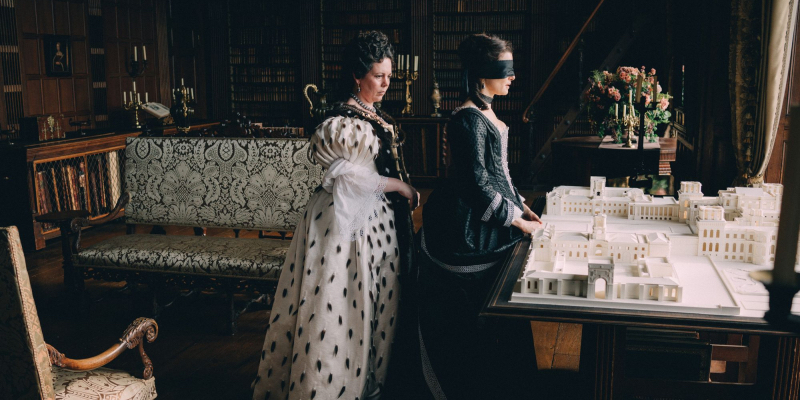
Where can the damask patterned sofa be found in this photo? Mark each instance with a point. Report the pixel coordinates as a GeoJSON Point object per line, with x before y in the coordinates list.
{"type": "Point", "coordinates": [32, 369]}
{"type": "Point", "coordinates": [243, 184]}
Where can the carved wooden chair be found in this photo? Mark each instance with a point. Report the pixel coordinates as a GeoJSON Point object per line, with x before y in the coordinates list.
{"type": "Point", "coordinates": [32, 369]}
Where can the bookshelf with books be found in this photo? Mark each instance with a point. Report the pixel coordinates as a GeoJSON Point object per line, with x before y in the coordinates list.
{"type": "Point", "coordinates": [453, 20]}
{"type": "Point", "coordinates": [265, 62]}
{"type": "Point", "coordinates": [341, 21]}
{"type": "Point", "coordinates": [72, 174]}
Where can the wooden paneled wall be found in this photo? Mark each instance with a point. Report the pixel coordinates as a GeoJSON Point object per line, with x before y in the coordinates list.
{"type": "Point", "coordinates": [68, 97]}
{"type": "Point", "coordinates": [102, 34]}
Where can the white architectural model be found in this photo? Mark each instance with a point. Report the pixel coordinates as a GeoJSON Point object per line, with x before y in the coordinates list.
{"type": "Point", "coordinates": [636, 261]}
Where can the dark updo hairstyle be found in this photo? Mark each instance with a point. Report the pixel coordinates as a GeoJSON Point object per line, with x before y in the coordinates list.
{"type": "Point", "coordinates": [477, 50]}
{"type": "Point", "coordinates": [359, 54]}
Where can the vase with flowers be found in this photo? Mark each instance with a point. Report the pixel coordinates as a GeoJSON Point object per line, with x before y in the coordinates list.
{"type": "Point", "coordinates": [610, 96]}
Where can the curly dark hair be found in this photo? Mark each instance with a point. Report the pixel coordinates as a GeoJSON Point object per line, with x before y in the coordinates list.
{"type": "Point", "coordinates": [476, 50]}
{"type": "Point", "coordinates": [360, 53]}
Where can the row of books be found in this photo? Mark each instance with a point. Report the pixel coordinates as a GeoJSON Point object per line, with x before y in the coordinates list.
{"type": "Point", "coordinates": [450, 41]}
{"type": "Point", "coordinates": [253, 51]}
{"type": "Point", "coordinates": [480, 5]}
{"type": "Point", "coordinates": [258, 36]}
{"type": "Point", "coordinates": [354, 18]}
{"type": "Point", "coordinates": [70, 185]}
{"type": "Point", "coordinates": [261, 59]}
{"type": "Point", "coordinates": [364, 5]}
{"type": "Point", "coordinates": [263, 74]}
{"type": "Point", "coordinates": [473, 23]}
{"type": "Point", "coordinates": [244, 93]}
{"type": "Point", "coordinates": [333, 35]}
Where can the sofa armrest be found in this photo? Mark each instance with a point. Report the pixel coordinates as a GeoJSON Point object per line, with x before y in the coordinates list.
{"type": "Point", "coordinates": [77, 224]}
{"type": "Point", "coordinates": [134, 335]}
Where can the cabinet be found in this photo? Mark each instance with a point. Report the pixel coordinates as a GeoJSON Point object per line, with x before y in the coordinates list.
{"type": "Point", "coordinates": [425, 149]}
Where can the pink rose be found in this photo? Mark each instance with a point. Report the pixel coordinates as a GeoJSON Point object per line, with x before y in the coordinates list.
{"type": "Point", "coordinates": [652, 71]}
{"type": "Point", "coordinates": [646, 99]}
{"type": "Point", "coordinates": [663, 103]}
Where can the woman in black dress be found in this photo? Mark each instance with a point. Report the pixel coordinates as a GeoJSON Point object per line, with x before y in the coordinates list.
{"type": "Point", "coordinates": [469, 224]}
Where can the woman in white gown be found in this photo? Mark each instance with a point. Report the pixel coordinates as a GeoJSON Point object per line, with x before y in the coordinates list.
{"type": "Point", "coordinates": [333, 321]}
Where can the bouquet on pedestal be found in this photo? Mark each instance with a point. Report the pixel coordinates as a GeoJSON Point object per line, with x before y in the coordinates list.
{"type": "Point", "coordinates": [610, 96]}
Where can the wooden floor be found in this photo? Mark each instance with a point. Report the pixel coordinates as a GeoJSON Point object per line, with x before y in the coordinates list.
{"type": "Point", "coordinates": [194, 357]}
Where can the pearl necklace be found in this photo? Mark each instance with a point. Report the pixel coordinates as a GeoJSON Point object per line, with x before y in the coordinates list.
{"type": "Point", "coordinates": [364, 106]}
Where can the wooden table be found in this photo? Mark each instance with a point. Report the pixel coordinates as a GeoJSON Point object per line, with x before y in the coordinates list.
{"type": "Point", "coordinates": [575, 159]}
{"type": "Point", "coordinates": [602, 351]}
{"type": "Point", "coordinates": [63, 219]}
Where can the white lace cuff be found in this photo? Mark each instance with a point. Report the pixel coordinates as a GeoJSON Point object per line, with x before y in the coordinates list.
{"type": "Point", "coordinates": [356, 191]}
{"type": "Point", "coordinates": [513, 213]}
{"type": "Point", "coordinates": [492, 207]}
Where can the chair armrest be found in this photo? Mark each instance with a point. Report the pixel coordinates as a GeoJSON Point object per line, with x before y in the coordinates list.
{"type": "Point", "coordinates": [77, 224]}
{"type": "Point", "coordinates": [141, 328]}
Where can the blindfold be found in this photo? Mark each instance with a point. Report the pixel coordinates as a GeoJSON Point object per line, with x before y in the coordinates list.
{"type": "Point", "coordinates": [494, 70]}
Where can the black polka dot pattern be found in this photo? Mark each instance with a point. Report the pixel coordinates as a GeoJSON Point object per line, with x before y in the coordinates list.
{"type": "Point", "coordinates": [336, 338]}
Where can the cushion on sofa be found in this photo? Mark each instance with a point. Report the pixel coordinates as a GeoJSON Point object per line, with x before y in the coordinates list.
{"type": "Point", "coordinates": [191, 255]}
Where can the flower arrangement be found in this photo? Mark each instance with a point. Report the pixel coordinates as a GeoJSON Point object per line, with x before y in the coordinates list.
{"type": "Point", "coordinates": [609, 92]}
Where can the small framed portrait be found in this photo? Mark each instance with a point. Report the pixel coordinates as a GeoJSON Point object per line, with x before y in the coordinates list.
{"type": "Point", "coordinates": [58, 55]}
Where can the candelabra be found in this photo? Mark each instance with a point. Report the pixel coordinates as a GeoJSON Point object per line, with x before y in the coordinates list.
{"type": "Point", "coordinates": [134, 105]}
{"type": "Point", "coordinates": [134, 67]}
{"type": "Point", "coordinates": [629, 121]}
{"type": "Point", "coordinates": [180, 110]}
{"type": "Point", "coordinates": [410, 77]}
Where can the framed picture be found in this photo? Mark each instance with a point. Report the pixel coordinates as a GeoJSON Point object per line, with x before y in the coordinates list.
{"type": "Point", "coordinates": [58, 55]}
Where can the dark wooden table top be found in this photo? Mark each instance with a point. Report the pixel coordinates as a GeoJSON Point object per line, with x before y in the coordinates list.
{"type": "Point", "coordinates": [497, 304]}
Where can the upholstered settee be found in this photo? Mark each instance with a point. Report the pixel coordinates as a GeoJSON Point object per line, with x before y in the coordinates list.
{"type": "Point", "coordinates": [258, 184]}
{"type": "Point", "coordinates": [32, 369]}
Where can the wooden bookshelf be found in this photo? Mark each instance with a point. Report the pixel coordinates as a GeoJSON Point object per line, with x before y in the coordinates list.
{"type": "Point", "coordinates": [265, 62]}
{"type": "Point", "coordinates": [453, 20]}
{"type": "Point", "coordinates": [343, 20]}
{"type": "Point", "coordinates": [70, 174]}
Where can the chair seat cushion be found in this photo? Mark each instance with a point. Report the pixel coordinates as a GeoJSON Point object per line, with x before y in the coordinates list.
{"type": "Point", "coordinates": [191, 255]}
{"type": "Point", "coordinates": [101, 384]}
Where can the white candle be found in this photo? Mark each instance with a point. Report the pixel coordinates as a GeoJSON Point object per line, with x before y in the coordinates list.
{"type": "Point", "coordinates": [135, 54]}
{"type": "Point", "coordinates": [786, 247]}
{"type": "Point", "coordinates": [630, 96]}
{"type": "Point", "coordinates": [144, 52]}
{"type": "Point", "coordinates": [408, 61]}
{"type": "Point", "coordinates": [146, 98]}
{"type": "Point", "coordinates": [191, 93]}
{"type": "Point", "coordinates": [138, 98]}
{"type": "Point", "coordinates": [124, 97]}
{"type": "Point", "coordinates": [181, 81]}
{"type": "Point", "coordinates": [616, 110]}
{"type": "Point", "coordinates": [624, 111]}
{"type": "Point", "coordinates": [134, 86]}
{"type": "Point", "coordinates": [416, 63]}
{"type": "Point", "coordinates": [400, 61]}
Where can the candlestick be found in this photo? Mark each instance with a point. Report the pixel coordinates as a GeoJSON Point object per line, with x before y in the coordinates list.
{"type": "Point", "coordinates": [416, 63]}
{"type": "Point", "coordinates": [409, 77]}
{"type": "Point", "coordinates": [135, 54]}
{"type": "Point", "coordinates": [639, 87]}
{"type": "Point", "coordinates": [144, 52]}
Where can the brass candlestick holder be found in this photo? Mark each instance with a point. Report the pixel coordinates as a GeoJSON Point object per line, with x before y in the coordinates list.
{"type": "Point", "coordinates": [180, 110]}
{"type": "Point", "coordinates": [135, 104]}
{"type": "Point", "coordinates": [410, 77]}
{"type": "Point", "coordinates": [629, 121]}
